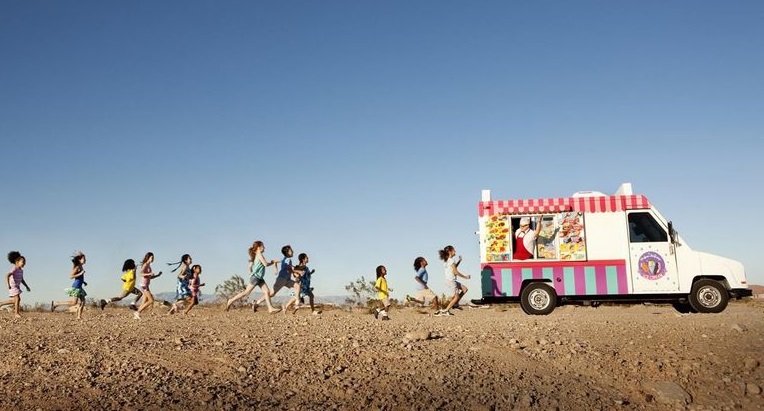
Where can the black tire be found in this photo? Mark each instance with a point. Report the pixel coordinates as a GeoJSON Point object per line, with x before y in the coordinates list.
{"type": "Point", "coordinates": [684, 308]}
{"type": "Point", "coordinates": [708, 296]}
{"type": "Point", "coordinates": [538, 299]}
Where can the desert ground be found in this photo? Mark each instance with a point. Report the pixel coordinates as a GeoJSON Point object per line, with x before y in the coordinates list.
{"type": "Point", "coordinates": [640, 357]}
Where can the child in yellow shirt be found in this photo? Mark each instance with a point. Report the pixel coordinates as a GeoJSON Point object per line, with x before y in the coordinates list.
{"type": "Point", "coordinates": [384, 297]}
{"type": "Point", "coordinates": [128, 278]}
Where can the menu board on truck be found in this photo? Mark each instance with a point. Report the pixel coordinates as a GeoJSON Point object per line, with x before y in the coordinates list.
{"type": "Point", "coordinates": [572, 237]}
{"type": "Point", "coordinates": [497, 238]}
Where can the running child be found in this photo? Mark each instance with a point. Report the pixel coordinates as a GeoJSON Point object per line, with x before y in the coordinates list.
{"type": "Point", "coordinates": [15, 279]}
{"type": "Point", "coordinates": [182, 292]}
{"type": "Point", "coordinates": [384, 297]}
{"type": "Point", "coordinates": [146, 276]}
{"type": "Point", "coordinates": [128, 278]}
{"type": "Point", "coordinates": [256, 267]}
{"type": "Point", "coordinates": [305, 289]}
{"type": "Point", "coordinates": [295, 300]}
{"type": "Point", "coordinates": [423, 290]}
{"type": "Point", "coordinates": [285, 277]}
{"type": "Point", "coordinates": [451, 264]}
{"type": "Point", "coordinates": [77, 290]}
{"type": "Point", "coordinates": [193, 284]}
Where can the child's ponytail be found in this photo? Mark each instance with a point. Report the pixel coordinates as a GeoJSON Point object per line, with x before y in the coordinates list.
{"type": "Point", "coordinates": [444, 253]}
{"type": "Point", "coordinates": [179, 263]}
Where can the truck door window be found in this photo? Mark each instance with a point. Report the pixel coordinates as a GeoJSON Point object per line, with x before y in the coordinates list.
{"type": "Point", "coordinates": [643, 228]}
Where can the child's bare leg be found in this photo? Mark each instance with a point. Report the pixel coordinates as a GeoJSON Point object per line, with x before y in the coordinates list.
{"type": "Point", "coordinates": [457, 297]}
{"type": "Point", "coordinates": [119, 297]}
{"type": "Point", "coordinates": [267, 297]}
{"type": "Point", "coordinates": [15, 300]}
{"type": "Point", "coordinates": [271, 294]}
{"type": "Point", "coordinates": [175, 307]}
{"type": "Point", "coordinates": [17, 305]}
{"type": "Point", "coordinates": [288, 304]}
{"type": "Point", "coordinates": [147, 302]}
{"type": "Point", "coordinates": [80, 307]}
{"type": "Point", "coordinates": [137, 298]}
{"type": "Point", "coordinates": [296, 289]}
{"type": "Point", "coordinates": [453, 301]}
{"type": "Point", "coordinates": [384, 312]}
{"type": "Point", "coordinates": [70, 303]}
{"type": "Point", "coordinates": [247, 291]}
{"type": "Point", "coordinates": [191, 302]}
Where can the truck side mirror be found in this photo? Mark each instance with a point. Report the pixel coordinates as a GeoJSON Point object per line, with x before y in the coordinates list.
{"type": "Point", "coordinates": [672, 232]}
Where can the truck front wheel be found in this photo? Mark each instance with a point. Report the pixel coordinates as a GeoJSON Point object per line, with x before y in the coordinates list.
{"type": "Point", "coordinates": [708, 296]}
{"type": "Point", "coordinates": [538, 299]}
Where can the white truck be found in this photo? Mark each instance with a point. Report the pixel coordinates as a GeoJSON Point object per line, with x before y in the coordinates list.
{"type": "Point", "coordinates": [592, 248]}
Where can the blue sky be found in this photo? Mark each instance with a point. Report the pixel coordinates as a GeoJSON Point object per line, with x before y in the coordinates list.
{"type": "Point", "coordinates": [363, 132]}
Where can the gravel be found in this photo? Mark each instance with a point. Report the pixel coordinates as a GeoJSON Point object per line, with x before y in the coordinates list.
{"type": "Point", "coordinates": [623, 357]}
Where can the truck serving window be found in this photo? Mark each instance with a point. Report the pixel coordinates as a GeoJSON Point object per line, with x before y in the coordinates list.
{"type": "Point", "coordinates": [644, 229]}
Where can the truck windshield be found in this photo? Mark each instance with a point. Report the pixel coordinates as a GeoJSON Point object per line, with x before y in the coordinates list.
{"type": "Point", "coordinates": [644, 229]}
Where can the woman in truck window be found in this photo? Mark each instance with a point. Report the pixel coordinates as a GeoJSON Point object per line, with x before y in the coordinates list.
{"type": "Point", "coordinates": [525, 239]}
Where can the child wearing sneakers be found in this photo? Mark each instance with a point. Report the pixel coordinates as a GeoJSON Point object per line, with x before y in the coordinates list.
{"type": "Point", "coordinates": [448, 255]}
{"type": "Point", "coordinates": [423, 291]}
{"type": "Point", "coordinates": [128, 278]}
{"type": "Point", "coordinates": [384, 297]}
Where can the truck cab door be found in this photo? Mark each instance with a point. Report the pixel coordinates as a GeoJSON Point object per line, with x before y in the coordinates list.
{"type": "Point", "coordinates": [652, 256]}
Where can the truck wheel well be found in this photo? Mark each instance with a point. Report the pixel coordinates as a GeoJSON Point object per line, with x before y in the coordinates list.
{"type": "Point", "coordinates": [720, 278]}
{"type": "Point", "coordinates": [535, 280]}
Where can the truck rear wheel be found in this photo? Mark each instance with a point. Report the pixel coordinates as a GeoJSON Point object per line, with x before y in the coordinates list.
{"type": "Point", "coordinates": [538, 299]}
{"type": "Point", "coordinates": [708, 296]}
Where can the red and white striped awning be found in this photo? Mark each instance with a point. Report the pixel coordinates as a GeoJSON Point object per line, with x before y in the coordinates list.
{"type": "Point", "coordinates": [596, 204]}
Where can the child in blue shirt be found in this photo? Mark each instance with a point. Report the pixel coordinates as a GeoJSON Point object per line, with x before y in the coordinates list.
{"type": "Point", "coordinates": [305, 289]}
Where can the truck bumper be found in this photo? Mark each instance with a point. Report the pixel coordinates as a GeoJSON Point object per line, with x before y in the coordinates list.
{"type": "Point", "coordinates": [739, 293]}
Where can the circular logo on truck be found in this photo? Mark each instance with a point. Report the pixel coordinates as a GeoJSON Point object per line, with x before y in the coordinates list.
{"type": "Point", "coordinates": [651, 266]}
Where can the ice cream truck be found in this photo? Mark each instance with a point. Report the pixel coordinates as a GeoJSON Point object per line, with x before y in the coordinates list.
{"type": "Point", "coordinates": [592, 248]}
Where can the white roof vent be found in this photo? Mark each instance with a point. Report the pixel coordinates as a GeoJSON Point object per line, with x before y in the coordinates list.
{"type": "Point", "coordinates": [624, 190]}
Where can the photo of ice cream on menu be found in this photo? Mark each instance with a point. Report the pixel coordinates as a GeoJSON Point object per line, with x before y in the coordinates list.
{"type": "Point", "coordinates": [498, 236]}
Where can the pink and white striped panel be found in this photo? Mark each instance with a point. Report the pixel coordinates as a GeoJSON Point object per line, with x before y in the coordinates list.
{"type": "Point", "coordinates": [561, 204]}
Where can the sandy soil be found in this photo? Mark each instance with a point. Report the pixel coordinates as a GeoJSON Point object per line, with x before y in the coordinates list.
{"type": "Point", "coordinates": [577, 358]}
